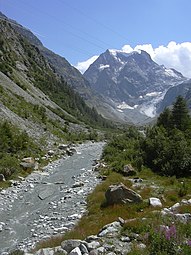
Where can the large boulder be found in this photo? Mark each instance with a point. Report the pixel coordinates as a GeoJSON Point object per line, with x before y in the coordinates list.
{"type": "Point", "coordinates": [120, 194]}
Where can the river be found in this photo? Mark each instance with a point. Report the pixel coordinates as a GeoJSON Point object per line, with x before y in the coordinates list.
{"type": "Point", "coordinates": [48, 203]}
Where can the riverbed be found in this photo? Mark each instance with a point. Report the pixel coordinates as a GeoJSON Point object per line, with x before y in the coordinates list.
{"type": "Point", "coordinates": [48, 203]}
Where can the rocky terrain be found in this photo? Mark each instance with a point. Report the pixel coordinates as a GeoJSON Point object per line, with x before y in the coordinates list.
{"type": "Point", "coordinates": [132, 82]}
{"type": "Point", "coordinates": [112, 239]}
{"type": "Point", "coordinates": [49, 202]}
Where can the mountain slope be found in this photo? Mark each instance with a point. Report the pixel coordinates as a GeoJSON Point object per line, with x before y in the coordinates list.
{"type": "Point", "coordinates": [33, 96]}
{"type": "Point", "coordinates": [70, 74]}
{"type": "Point", "coordinates": [132, 80]}
{"type": "Point", "coordinates": [183, 89]}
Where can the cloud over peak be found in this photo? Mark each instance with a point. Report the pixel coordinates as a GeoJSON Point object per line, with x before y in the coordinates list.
{"type": "Point", "coordinates": [174, 55]}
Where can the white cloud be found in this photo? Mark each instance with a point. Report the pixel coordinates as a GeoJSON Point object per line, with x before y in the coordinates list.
{"type": "Point", "coordinates": [174, 55]}
{"type": "Point", "coordinates": [83, 66]}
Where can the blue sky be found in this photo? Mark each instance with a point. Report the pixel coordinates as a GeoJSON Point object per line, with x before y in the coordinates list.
{"type": "Point", "coordinates": [81, 29]}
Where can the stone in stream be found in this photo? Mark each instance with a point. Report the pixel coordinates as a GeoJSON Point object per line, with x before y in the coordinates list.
{"type": "Point", "coordinates": [47, 192]}
{"type": "Point", "coordinates": [77, 184]}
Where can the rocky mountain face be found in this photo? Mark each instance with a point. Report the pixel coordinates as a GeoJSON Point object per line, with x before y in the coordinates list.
{"type": "Point", "coordinates": [34, 96]}
{"type": "Point", "coordinates": [183, 89]}
{"type": "Point", "coordinates": [132, 81]}
{"type": "Point", "coordinates": [70, 74]}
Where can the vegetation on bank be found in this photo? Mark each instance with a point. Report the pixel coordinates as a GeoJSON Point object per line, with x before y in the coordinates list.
{"type": "Point", "coordinates": [161, 235]}
{"type": "Point", "coordinates": [14, 145]}
{"type": "Point", "coordinates": [16, 49]}
{"type": "Point", "coordinates": [164, 147]}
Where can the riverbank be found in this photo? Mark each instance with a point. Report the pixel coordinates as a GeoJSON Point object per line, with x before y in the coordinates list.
{"type": "Point", "coordinates": [50, 202]}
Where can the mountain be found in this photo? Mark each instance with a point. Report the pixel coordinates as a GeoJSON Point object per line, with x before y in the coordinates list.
{"type": "Point", "coordinates": [35, 97]}
{"type": "Point", "coordinates": [70, 74]}
{"type": "Point", "coordinates": [183, 89]}
{"type": "Point", "coordinates": [131, 81]}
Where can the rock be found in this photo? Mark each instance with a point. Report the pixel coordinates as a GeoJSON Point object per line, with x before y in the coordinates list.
{"type": "Point", "coordinates": [51, 153]}
{"type": "Point", "coordinates": [93, 252]}
{"type": "Point", "coordinates": [69, 245]}
{"type": "Point", "coordinates": [101, 250]}
{"type": "Point", "coordinates": [137, 180]}
{"type": "Point", "coordinates": [69, 152]}
{"type": "Point", "coordinates": [141, 246]}
{"type": "Point", "coordinates": [128, 170]}
{"type": "Point", "coordinates": [47, 251]}
{"type": "Point", "coordinates": [83, 248]}
{"type": "Point", "coordinates": [175, 207]}
{"type": "Point", "coordinates": [120, 194]}
{"type": "Point", "coordinates": [63, 146]}
{"type": "Point", "coordinates": [91, 238]}
{"type": "Point", "coordinates": [183, 217]}
{"type": "Point", "coordinates": [121, 221]}
{"type": "Point", "coordinates": [73, 150]}
{"type": "Point", "coordinates": [27, 165]}
{"type": "Point", "coordinates": [47, 192]}
{"type": "Point", "coordinates": [110, 230]}
{"type": "Point", "coordinates": [93, 245]}
{"type": "Point", "coordinates": [77, 184]}
{"type": "Point", "coordinates": [74, 216]}
{"type": "Point", "coordinates": [125, 239]}
{"type": "Point", "coordinates": [75, 251]}
{"type": "Point", "coordinates": [2, 178]}
{"type": "Point", "coordinates": [155, 202]}
{"type": "Point", "coordinates": [28, 160]}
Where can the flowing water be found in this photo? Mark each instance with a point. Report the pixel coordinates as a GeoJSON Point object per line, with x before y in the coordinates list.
{"type": "Point", "coordinates": [47, 203]}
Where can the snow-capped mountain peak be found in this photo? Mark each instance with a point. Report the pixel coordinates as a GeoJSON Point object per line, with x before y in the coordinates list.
{"type": "Point", "coordinates": [131, 79]}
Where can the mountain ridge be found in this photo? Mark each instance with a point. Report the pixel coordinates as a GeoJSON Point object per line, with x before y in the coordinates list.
{"type": "Point", "coordinates": [131, 78]}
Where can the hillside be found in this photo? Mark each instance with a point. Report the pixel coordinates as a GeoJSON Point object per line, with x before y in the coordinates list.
{"type": "Point", "coordinates": [34, 96]}
{"type": "Point", "coordinates": [69, 73]}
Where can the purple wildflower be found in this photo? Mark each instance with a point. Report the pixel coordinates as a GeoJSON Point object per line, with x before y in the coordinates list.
{"type": "Point", "coordinates": [189, 243]}
{"type": "Point", "coordinates": [170, 232]}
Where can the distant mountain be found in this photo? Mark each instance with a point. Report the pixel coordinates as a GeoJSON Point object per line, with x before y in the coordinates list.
{"type": "Point", "coordinates": [183, 89]}
{"type": "Point", "coordinates": [132, 81]}
{"type": "Point", "coordinates": [124, 87]}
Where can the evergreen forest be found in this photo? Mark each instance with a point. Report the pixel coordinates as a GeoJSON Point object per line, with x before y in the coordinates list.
{"type": "Point", "coordinates": [164, 147]}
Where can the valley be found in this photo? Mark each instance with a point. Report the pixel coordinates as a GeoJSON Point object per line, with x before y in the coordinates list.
{"type": "Point", "coordinates": [94, 163]}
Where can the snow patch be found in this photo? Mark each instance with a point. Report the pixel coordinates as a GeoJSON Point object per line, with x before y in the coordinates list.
{"type": "Point", "coordinates": [153, 94]}
{"type": "Point", "coordinates": [124, 106]}
{"type": "Point", "coordinates": [170, 72]}
{"type": "Point", "coordinates": [102, 67]}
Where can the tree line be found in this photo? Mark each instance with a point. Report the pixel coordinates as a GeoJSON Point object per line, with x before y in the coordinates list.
{"type": "Point", "coordinates": [164, 147]}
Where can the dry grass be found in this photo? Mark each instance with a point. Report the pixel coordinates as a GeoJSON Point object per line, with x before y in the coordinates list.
{"type": "Point", "coordinates": [99, 215]}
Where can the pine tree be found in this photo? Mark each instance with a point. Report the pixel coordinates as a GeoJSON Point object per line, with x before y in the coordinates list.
{"type": "Point", "coordinates": [180, 115]}
{"type": "Point", "coordinates": [165, 118]}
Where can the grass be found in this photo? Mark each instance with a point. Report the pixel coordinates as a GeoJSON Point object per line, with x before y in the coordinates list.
{"type": "Point", "coordinates": [98, 215]}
